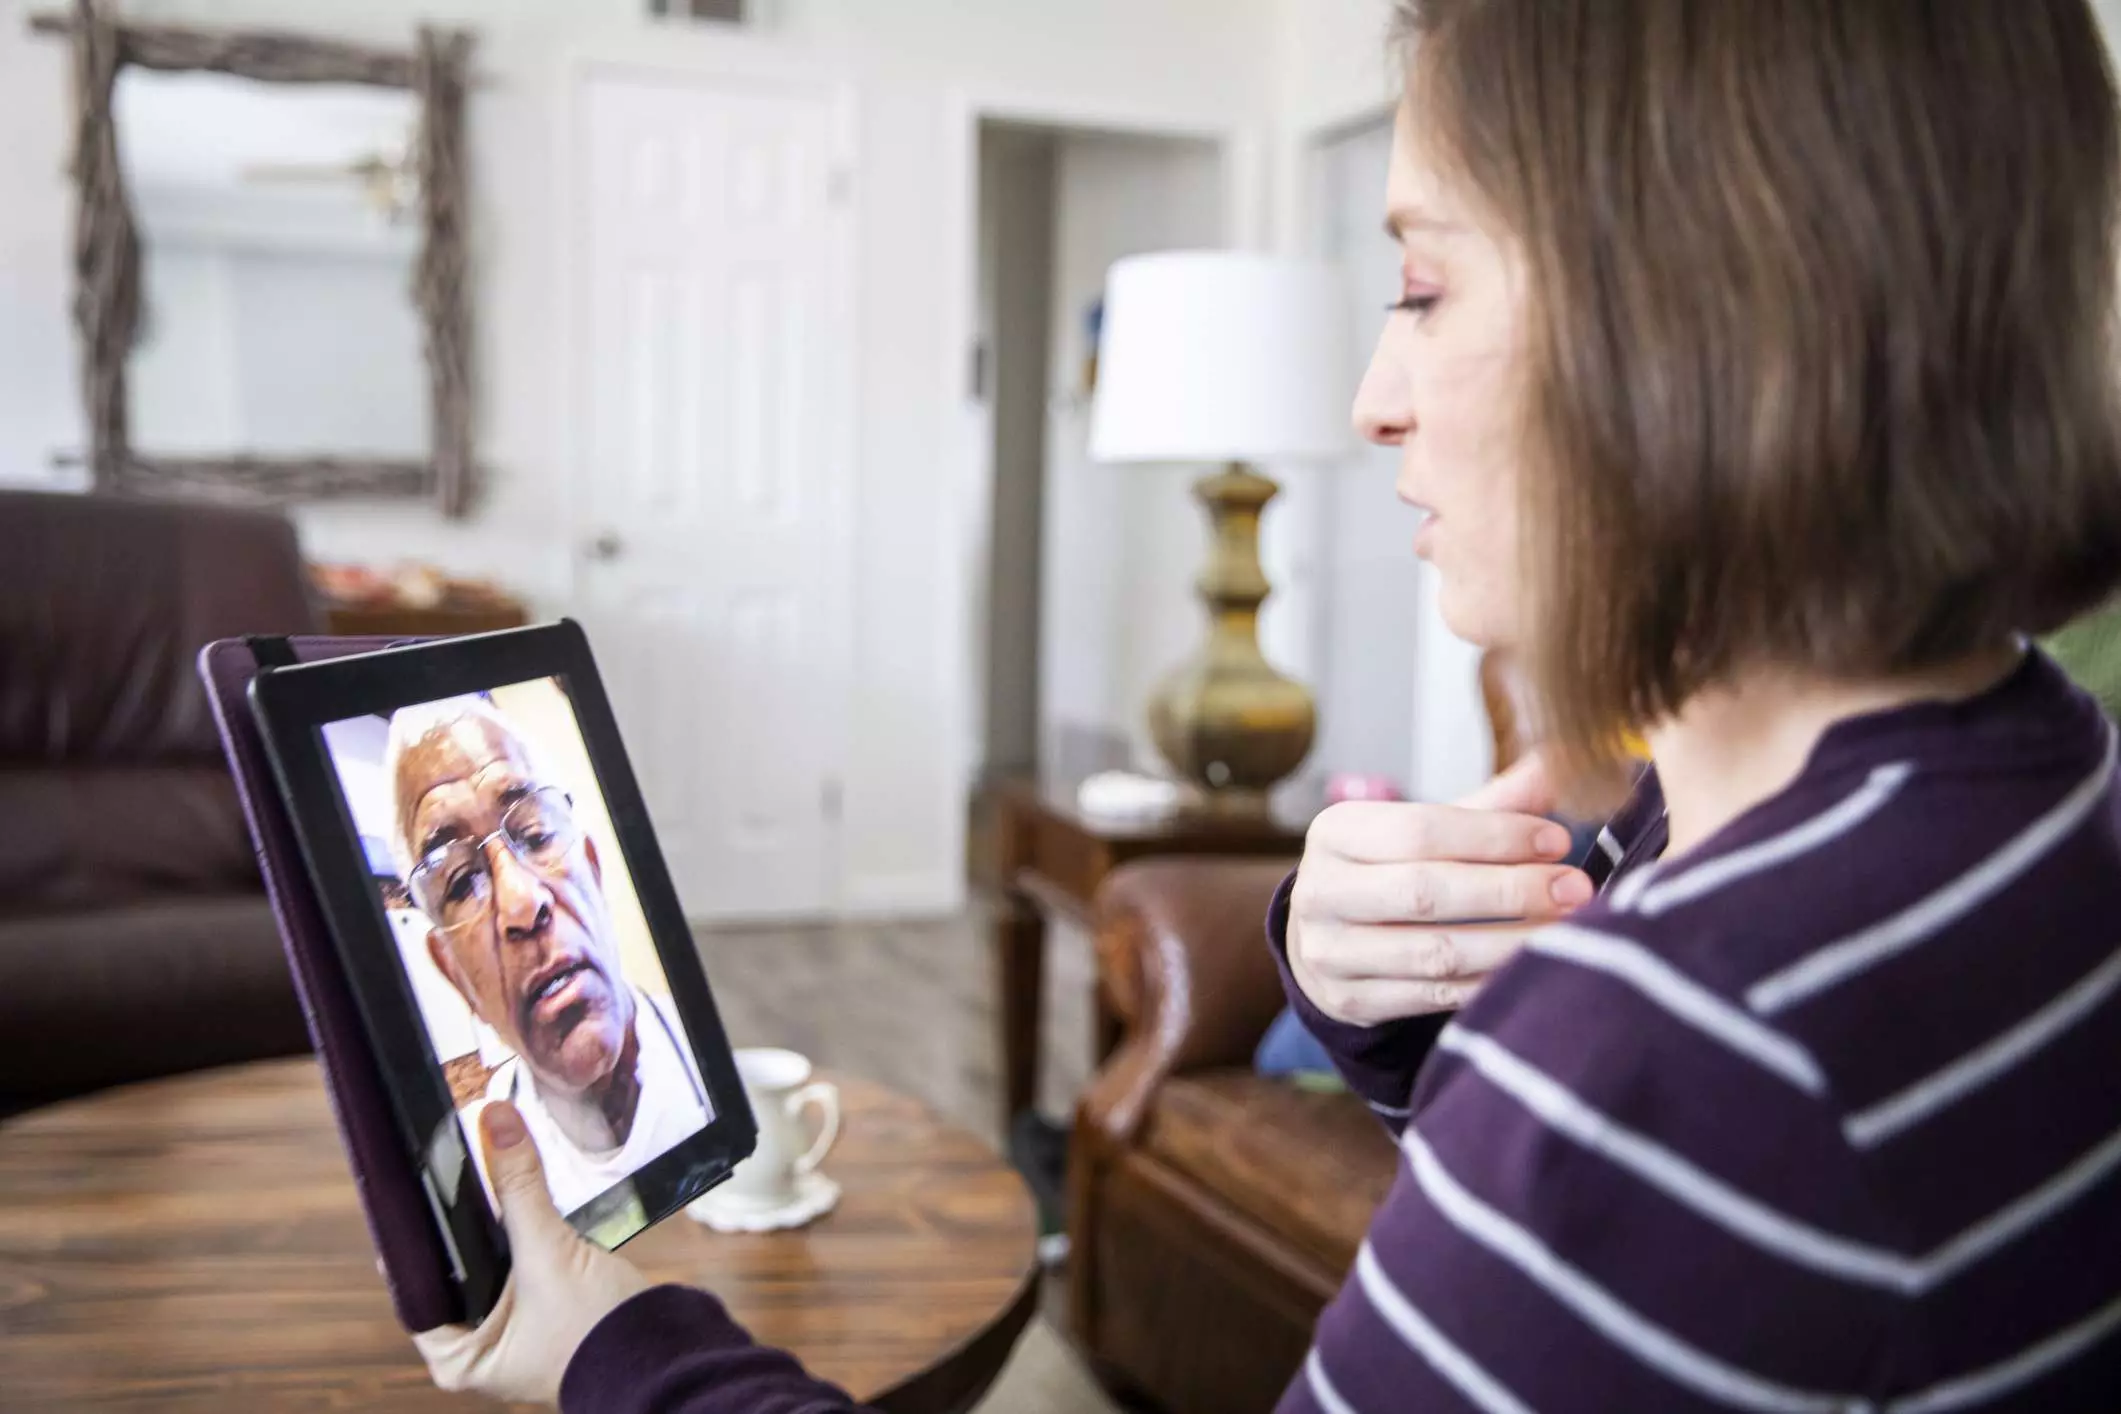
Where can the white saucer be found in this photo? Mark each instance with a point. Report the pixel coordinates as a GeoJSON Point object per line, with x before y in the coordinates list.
{"type": "Point", "coordinates": [815, 1196]}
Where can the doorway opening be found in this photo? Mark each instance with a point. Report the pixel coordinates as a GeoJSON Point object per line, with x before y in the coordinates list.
{"type": "Point", "coordinates": [1085, 585]}
{"type": "Point", "coordinates": [1083, 574]}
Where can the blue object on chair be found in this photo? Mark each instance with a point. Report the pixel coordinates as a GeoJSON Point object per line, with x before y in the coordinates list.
{"type": "Point", "coordinates": [1289, 1049]}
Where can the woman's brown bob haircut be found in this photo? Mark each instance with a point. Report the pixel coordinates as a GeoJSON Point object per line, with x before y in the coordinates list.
{"type": "Point", "coordinates": [1822, 348]}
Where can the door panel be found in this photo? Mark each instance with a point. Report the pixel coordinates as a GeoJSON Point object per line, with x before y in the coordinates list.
{"type": "Point", "coordinates": [711, 504]}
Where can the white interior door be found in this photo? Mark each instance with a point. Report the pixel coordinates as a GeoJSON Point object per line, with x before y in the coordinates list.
{"type": "Point", "coordinates": [711, 493]}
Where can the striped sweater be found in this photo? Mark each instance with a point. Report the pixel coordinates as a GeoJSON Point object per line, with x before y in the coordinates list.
{"type": "Point", "coordinates": [1824, 1116]}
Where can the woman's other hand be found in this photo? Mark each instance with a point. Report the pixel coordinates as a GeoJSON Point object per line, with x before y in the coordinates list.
{"type": "Point", "coordinates": [1378, 924]}
{"type": "Point", "coordinates": [560, 1286]}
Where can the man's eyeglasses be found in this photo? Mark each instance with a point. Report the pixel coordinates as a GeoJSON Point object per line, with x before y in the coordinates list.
{"type": "Point", "coordinates": [453, 885]}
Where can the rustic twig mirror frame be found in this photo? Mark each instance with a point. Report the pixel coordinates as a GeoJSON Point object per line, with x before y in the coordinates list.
{"type": "Point", "coordinates": [107, 263]}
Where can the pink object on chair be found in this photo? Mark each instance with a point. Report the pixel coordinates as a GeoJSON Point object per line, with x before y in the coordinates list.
{"type": "Point", "coordinates": [1350, 786]}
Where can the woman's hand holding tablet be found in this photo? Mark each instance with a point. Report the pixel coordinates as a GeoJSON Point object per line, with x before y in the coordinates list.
{"type": "Point", "coordinates": [562, 1284]}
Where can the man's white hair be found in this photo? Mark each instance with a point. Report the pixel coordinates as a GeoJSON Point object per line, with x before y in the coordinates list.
{"type": "Point", "coordinates": [409, 726]}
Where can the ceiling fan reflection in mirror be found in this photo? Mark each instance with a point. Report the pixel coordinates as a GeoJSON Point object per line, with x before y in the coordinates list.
{"type": "Point", "coordinates": [387, 181]}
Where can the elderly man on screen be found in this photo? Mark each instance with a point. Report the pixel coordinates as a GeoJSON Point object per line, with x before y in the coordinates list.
{"type": "Point", "coordinates": [514, 895]}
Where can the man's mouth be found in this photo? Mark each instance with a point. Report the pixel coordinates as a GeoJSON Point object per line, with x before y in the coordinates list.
{"type": "Point", "coordinates": [556, 991]}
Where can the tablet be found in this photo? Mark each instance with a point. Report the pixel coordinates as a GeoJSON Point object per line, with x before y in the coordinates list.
{"type": "Point", "coordinates": [487, 870]}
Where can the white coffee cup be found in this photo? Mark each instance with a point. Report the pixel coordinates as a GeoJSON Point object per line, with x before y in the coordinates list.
{"type": "Point", "coordinates": [780, 1088]}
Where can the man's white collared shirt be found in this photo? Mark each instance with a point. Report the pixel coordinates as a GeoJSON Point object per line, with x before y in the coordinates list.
{"type": "Point", "coordinates": [672, 1109]}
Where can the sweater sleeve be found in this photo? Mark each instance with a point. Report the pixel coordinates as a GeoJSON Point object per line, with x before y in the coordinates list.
{"type": "Point", "coordinates": [1378, 1062]}
{"type": "Point", "coordinates": [677, 1350]}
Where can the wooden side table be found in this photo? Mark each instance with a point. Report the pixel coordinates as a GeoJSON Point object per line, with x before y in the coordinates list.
{"type": "Point", "coordinates": [1048, 855]}
{"type": "Point", "coordinates": [440, 621]}
{"type": "Point", "coordinates": [194, 1244]}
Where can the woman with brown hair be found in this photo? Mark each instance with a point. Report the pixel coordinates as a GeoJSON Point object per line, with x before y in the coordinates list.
{"type": "Point", "coordinates": [1755, 362]}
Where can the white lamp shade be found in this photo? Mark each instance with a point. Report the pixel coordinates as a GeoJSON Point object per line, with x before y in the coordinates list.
{"type": "Point", "coordinates": [1220, 356]}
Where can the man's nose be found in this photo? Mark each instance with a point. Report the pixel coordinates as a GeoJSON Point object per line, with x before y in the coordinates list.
{"type": "Point", "coordinates": [1383, 410]}
{"type": "Point", "coordinates": [521, 902]}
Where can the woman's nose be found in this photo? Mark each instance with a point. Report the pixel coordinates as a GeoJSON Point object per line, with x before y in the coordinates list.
{"type": "Point", "coordinates": [1383, 411]}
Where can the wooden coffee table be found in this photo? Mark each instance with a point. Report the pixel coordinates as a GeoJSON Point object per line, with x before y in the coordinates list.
{"type": "Point", "coordinates": [195, 1244]}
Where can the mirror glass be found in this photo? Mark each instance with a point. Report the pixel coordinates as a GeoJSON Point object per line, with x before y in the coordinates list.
{"type": "Point", "coordinates": [279, 225]}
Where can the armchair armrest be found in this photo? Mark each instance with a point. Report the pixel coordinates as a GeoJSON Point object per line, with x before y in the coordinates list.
{"type": "Point", "coordinates": [1183, 967]}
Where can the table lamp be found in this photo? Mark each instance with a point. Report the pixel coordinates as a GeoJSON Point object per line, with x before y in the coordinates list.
{"type": "Point", "coordinates": [1237, 358]}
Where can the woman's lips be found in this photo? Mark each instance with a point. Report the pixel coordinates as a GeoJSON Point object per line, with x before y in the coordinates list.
{"type": "Point", "coordinates": [1425, 533]}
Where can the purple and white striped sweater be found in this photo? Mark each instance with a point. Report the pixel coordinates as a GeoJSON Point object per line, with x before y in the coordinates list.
{"type": "Point", "coordinates": [1825, 1116]}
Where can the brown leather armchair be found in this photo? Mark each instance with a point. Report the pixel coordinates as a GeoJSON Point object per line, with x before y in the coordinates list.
{"type": "Point", "coordinates": [1213, 1212]}
{"type": "Point", "coordinates": [135, 939]}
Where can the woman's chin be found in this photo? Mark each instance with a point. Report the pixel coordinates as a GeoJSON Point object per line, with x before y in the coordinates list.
{"type": "Point", "coordinates": [1472, 618]}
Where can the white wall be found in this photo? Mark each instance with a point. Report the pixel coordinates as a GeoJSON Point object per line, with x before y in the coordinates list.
{"type": "Point", "coordinates": [40, 411]}
{"type": "Point", "coordinates": [915, 65]}
{"type": "Point", "coordinates": [1334, 69]}
{"type": "Point", "coordinates": [1122, 544]}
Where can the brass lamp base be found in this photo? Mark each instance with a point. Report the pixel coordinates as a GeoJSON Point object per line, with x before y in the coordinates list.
{"type": "Point", "coordinates": [1226, 719]}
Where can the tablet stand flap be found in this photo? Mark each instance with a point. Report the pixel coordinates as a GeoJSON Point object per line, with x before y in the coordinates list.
{"type": "Point", "coordinates": [415, 1264]}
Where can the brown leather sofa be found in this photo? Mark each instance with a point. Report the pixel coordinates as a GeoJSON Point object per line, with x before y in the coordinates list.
{"type": "Point", "coordinates": [135, 939]}
{"type": "Point", "coordinates": [1213, 1212]}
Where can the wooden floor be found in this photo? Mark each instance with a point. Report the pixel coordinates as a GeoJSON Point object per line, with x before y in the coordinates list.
{"type": "Point", "coordinates": [912, 1005]}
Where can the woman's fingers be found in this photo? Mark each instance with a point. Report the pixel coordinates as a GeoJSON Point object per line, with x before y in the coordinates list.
{"type": "Point", "coordinates": [1379, 832]}
{"type": "Point", "coordinates": [1460, 954]}
{"type": "Point", "coordinates": [1432, 892]}
{"type": "Point", "coordinates": [1384, 921]}
{"type": "Point", "coordinates": [535, 1227]}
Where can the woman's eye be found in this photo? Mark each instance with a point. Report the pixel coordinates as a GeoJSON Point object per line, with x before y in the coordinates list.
{"type": "Point", "coordinates": [1416, 305]}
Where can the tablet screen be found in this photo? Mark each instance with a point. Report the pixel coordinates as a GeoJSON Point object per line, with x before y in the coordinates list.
{"type": "Point", "coordinates": [514, 919]}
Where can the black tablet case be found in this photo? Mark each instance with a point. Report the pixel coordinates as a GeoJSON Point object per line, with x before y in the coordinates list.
{"type": "Point", "coordinates": [415, 1264]}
